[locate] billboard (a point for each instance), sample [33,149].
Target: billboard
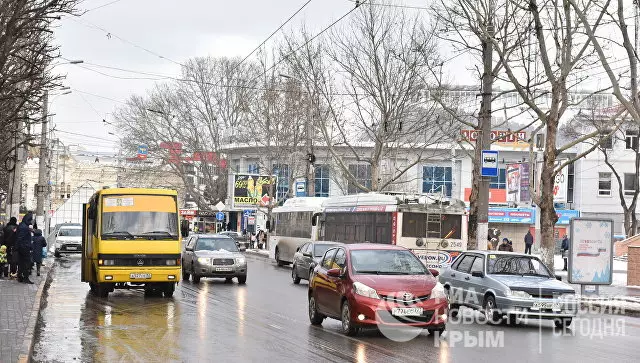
[591,251]
[560,186]
[517,176]
[253,191]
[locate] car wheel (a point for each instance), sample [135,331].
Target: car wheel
[314,316]
[280,263]
[242,279]
[562,323]
[433,332]
[347,325]
[491,313]
[294,274]
[454,309]
[195,278]
[228,280]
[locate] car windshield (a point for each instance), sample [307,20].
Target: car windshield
[216,244]
[319,250]
[153,225]
[386,262]
[516,265]
[70,232]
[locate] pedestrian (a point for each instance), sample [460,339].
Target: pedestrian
[9,240]
[24,247]
[528,242]
[4,268]
[505,246]
[565,251]
[39,242]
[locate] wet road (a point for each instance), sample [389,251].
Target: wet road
[266,320]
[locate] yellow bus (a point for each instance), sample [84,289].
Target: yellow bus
[131,240]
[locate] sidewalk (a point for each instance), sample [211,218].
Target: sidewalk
[19,307]
[261,253]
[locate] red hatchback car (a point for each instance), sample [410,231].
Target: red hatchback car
[366,285]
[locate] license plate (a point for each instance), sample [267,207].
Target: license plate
[224,269]
[546,305]
[72,248]
[140,276]
[406,311]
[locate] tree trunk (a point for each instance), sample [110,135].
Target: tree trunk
[472,231]
[627,222]
[375,175]
[548,216]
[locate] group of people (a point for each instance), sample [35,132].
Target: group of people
[20,248]
[259,240]
[507,244]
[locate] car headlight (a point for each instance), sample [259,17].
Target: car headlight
[171,262]
[240,261]
[364,290]
[204,260]
[438,292]
[519,294]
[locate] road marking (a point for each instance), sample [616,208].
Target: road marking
[275,326]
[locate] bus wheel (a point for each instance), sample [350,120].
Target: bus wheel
[280,263]
[103,290]
[169,289]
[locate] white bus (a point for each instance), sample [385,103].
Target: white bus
[292,225]
[432,226]
[435,228]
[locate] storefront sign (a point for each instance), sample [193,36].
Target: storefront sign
[591,251]
[188,212]
[436,259]
[251,191]
[512,215]
[497,136]
[496,196]
[565,215]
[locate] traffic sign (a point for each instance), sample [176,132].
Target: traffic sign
[301,188]
[489,163]
[220,216]
[220,206]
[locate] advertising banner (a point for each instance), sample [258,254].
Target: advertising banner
[518,183]
[512,215]
[591,251]
[560,186]
[252,191]
[565,215]
[438,260]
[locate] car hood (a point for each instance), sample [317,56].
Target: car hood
[218,254]
[390,284]
[68,239]
[525,283]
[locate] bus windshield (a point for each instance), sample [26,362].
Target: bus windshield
[129,225]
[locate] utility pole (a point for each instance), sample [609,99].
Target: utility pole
[42,169]
[309,141]
[15,177]
[484,140]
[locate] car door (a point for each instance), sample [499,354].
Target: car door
[298,260]
[475,284]
[322,283]
[336,286]
[457,276]
[306,259]
[189,252]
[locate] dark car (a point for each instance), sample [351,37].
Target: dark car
[307,257]
[369,285]
[213,255]
[508,285]
[241,241]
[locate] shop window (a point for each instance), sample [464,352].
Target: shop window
[604,184]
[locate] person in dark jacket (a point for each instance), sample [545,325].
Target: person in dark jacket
[9,240]
[24,245]
[565,249]
[39,242]
[528,242]
[505,246]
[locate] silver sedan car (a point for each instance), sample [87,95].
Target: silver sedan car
[213,255]
[508,285]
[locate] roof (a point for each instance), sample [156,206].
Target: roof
[126,191]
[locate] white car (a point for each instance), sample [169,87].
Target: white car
[68,240]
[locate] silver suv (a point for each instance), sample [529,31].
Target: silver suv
[213,255]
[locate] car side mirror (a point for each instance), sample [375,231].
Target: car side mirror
[307,254]
[434,272]
[477,274]
[334,272]
[558,277]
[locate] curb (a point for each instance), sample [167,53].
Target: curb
[26,351]
[255,253]
[613,310]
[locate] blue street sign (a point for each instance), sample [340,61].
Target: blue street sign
[301,188]
[220,216]
[247,212]
[143,150]
[489,163]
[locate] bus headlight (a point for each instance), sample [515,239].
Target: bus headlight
[171,262]
[107,262]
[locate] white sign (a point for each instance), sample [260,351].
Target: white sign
[591,251]
[118,202]
[220,206]
[560,185]
[436,259]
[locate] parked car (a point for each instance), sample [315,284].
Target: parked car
[368,285]
[51,236]
[241,241]
[508,285]
[68,240]
[213,255]
[307,257]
